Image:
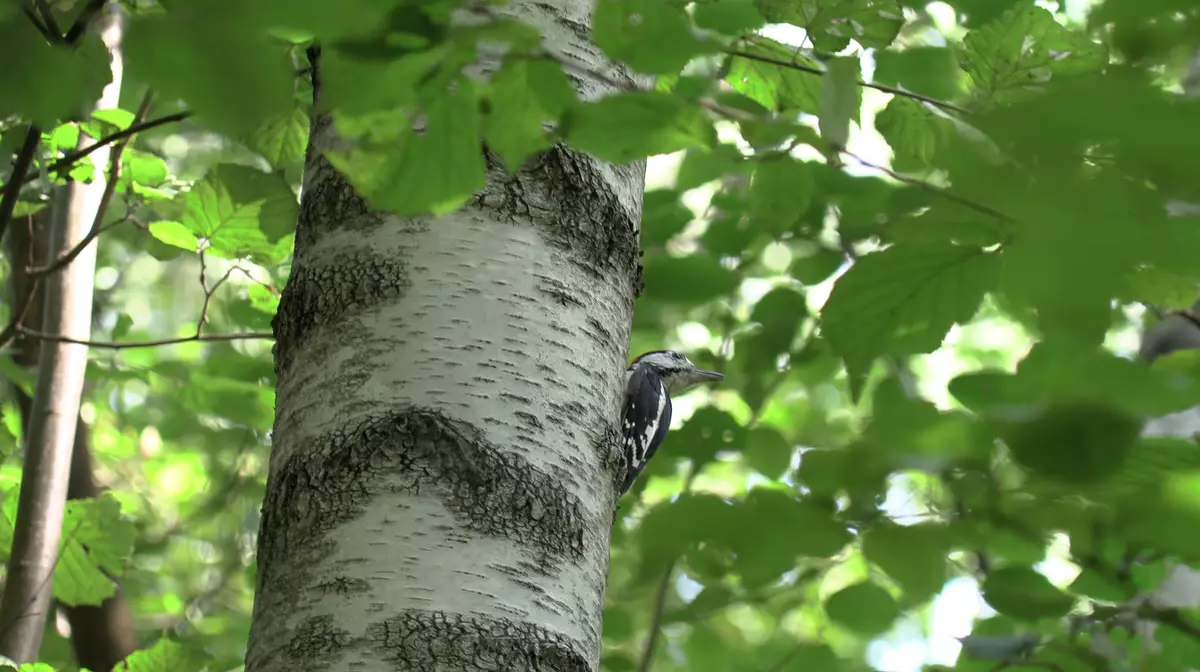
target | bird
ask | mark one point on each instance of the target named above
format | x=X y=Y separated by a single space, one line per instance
x=650 y=381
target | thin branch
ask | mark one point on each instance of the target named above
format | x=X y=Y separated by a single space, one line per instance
x=660 y=597
x=12 y=189
x=125 y=345
x=870 y=85
x=47 y=15
x=209 y=291
x=921 y=184
x=110 y=187
x=38 y=23
x=82 y=21
x=70 y=159
x=14 y=324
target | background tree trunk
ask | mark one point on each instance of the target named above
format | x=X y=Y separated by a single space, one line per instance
x=446 y=447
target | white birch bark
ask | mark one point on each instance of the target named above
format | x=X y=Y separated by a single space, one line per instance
x=446 y=444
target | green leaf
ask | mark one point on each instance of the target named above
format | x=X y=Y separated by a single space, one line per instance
x=663 y=217
x=239 y=211
x=822 y=470
x=629 y=126
x=282 y=139
x=121 y=328
x=728 y=17
x=525 y=95
x=914 y=133
x=863 y=608
x=701 y=166
x=1073 y=442
x=930 y=71
x=840 y=99
x=1098 y=586
x=96 y=544
x=765 y=74
x=142 y=169
x=122 y=119
x=1016 y=54
x=1024 y=594
x=650 y=36
x=52 y=83
x=409 y=172
x=914 y=556
x=778 y=314
x=166 y=656
x=903 y=300
x=236 y=88
x=175 y=234
x=780 y=192
x=767 y=452
x=815 y=268
x=874 y=24
x=692 y=279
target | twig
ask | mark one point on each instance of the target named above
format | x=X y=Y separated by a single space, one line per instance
x=14 y=324
x=39 y=24
x=660 y=597
x=70 y=159
x=110 y=187
x=47 y=15
x=921 y=184
x=209 y=291
x=12 y=189
x=870 y=85
x=85 y=17
x=124 y=345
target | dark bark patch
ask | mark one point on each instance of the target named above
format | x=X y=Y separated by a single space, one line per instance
x=331 y=292
x=435 y=640
x=569 y=198
x=317 y=642
x=417 y=451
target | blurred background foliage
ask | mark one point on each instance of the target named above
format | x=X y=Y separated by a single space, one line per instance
x=867 y=267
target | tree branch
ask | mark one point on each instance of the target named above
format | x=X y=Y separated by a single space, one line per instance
x=89 y=12
x=870 y=85
x=921 y=184
x=70 y=159
x=124 y=345
x=110 y=187
x=16 y=179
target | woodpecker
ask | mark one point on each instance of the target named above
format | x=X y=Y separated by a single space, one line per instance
x=650 y=381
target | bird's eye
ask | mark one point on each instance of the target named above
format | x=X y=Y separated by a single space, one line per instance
x=677 y=355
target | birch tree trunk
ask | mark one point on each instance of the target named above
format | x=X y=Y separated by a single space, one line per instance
x=446 y=444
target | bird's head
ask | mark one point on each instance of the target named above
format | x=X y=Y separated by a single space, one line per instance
x=678 y=372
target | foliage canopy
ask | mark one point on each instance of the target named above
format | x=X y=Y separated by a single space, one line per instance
x=1029 y=155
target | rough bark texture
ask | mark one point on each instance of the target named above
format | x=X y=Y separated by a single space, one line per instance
x=446 y=444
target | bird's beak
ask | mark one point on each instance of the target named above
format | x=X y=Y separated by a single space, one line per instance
x=703 y=376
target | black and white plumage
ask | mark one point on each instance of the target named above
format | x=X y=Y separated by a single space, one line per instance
x=649 y=383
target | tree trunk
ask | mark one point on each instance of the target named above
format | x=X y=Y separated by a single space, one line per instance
x=446 y=443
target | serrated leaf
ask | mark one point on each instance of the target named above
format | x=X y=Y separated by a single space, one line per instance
x=122 y=119
x=841 y=99
x=435 y=170
x=143 y=169
x=874 y=24
x=239 y=211
x=767 y=76
x=863 y=607
x=96 y=543
x=815 y=268
x=283 y=139
x=903 y=300
x=650 y=36
x=525 y=95
x=630 y=126
x=914 y=556
x=1021 y=50
x=701 y=166
x=913 y=131
x=175 y=234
